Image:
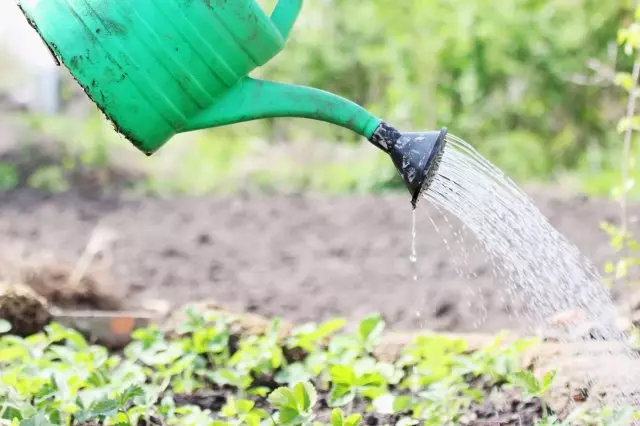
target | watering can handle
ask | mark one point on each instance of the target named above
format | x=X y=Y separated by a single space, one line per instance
x=284 y=16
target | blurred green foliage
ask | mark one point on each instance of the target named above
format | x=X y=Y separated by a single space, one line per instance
x=525 y=81
x=501 y=74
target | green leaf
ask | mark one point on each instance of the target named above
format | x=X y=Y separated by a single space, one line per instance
x=528 y=382
x=353 y=420
x=343 y=375
x=120 y=419
x=329 y=327
x=130 y=393
x=288 y=415
x=547 y=380
x=230 y=409
x=228 y=376
x=107 y=407
x=12 y=353
x=254 y=418
x=296 y=372
x=312 y=394
x=245 y=406
x=282 y=398
x=40 y=419
x=624 y=79
x=262 y=391
x=371 y=328
x=341 y=395
x=402 y=403
x=277 y=357
x=373 y=379
x=336 y=417
x=306 y=396
x=609 y=268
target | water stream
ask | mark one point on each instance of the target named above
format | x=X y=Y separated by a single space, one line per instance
x=414 y=255
x=536 y=263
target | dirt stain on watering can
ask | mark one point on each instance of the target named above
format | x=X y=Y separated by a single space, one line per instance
x=114 y=27
x=217 y=3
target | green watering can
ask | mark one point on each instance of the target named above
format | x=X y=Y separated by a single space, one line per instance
x=156 y=68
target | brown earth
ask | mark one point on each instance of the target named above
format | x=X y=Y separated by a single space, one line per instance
x=304 y=257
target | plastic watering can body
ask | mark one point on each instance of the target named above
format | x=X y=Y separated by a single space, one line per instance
x=158 y=68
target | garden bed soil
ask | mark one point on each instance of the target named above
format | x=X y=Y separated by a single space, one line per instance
x=303 y=257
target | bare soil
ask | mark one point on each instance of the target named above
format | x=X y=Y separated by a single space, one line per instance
x=303 y=257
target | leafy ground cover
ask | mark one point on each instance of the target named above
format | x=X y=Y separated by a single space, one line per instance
x=204 y=372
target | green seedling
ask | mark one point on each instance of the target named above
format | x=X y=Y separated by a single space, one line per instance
x=243 y=412
x=370 y=330
x=531 y=387
x=338 y=418
x=310 y=337
x=349 y=381
x=57 y=378
x=294 y=405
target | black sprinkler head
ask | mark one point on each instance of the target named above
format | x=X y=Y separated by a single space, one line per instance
x=415 y=155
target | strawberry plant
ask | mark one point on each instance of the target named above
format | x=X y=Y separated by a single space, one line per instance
x=205 y=374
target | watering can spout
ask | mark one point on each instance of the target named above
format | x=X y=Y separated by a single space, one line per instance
x=416 y=155
x=253 y=99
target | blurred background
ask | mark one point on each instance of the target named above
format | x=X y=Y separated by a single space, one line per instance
x=529 y=83
x=534 y=85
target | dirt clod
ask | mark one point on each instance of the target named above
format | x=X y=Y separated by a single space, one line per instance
x=53 y=281
x=26 y=311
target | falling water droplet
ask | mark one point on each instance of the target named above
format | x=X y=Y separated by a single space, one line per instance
x=414 y=256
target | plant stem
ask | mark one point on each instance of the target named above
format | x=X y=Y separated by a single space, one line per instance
x=545 y=411
x=626 y=152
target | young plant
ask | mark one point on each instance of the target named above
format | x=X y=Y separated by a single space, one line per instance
x=338 y=418
x=347 y=381
x=294 y=405
x=241 y=412
x=311 y=338
x=531 y=387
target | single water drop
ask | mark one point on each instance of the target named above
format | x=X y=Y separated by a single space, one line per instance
x=414 y=256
